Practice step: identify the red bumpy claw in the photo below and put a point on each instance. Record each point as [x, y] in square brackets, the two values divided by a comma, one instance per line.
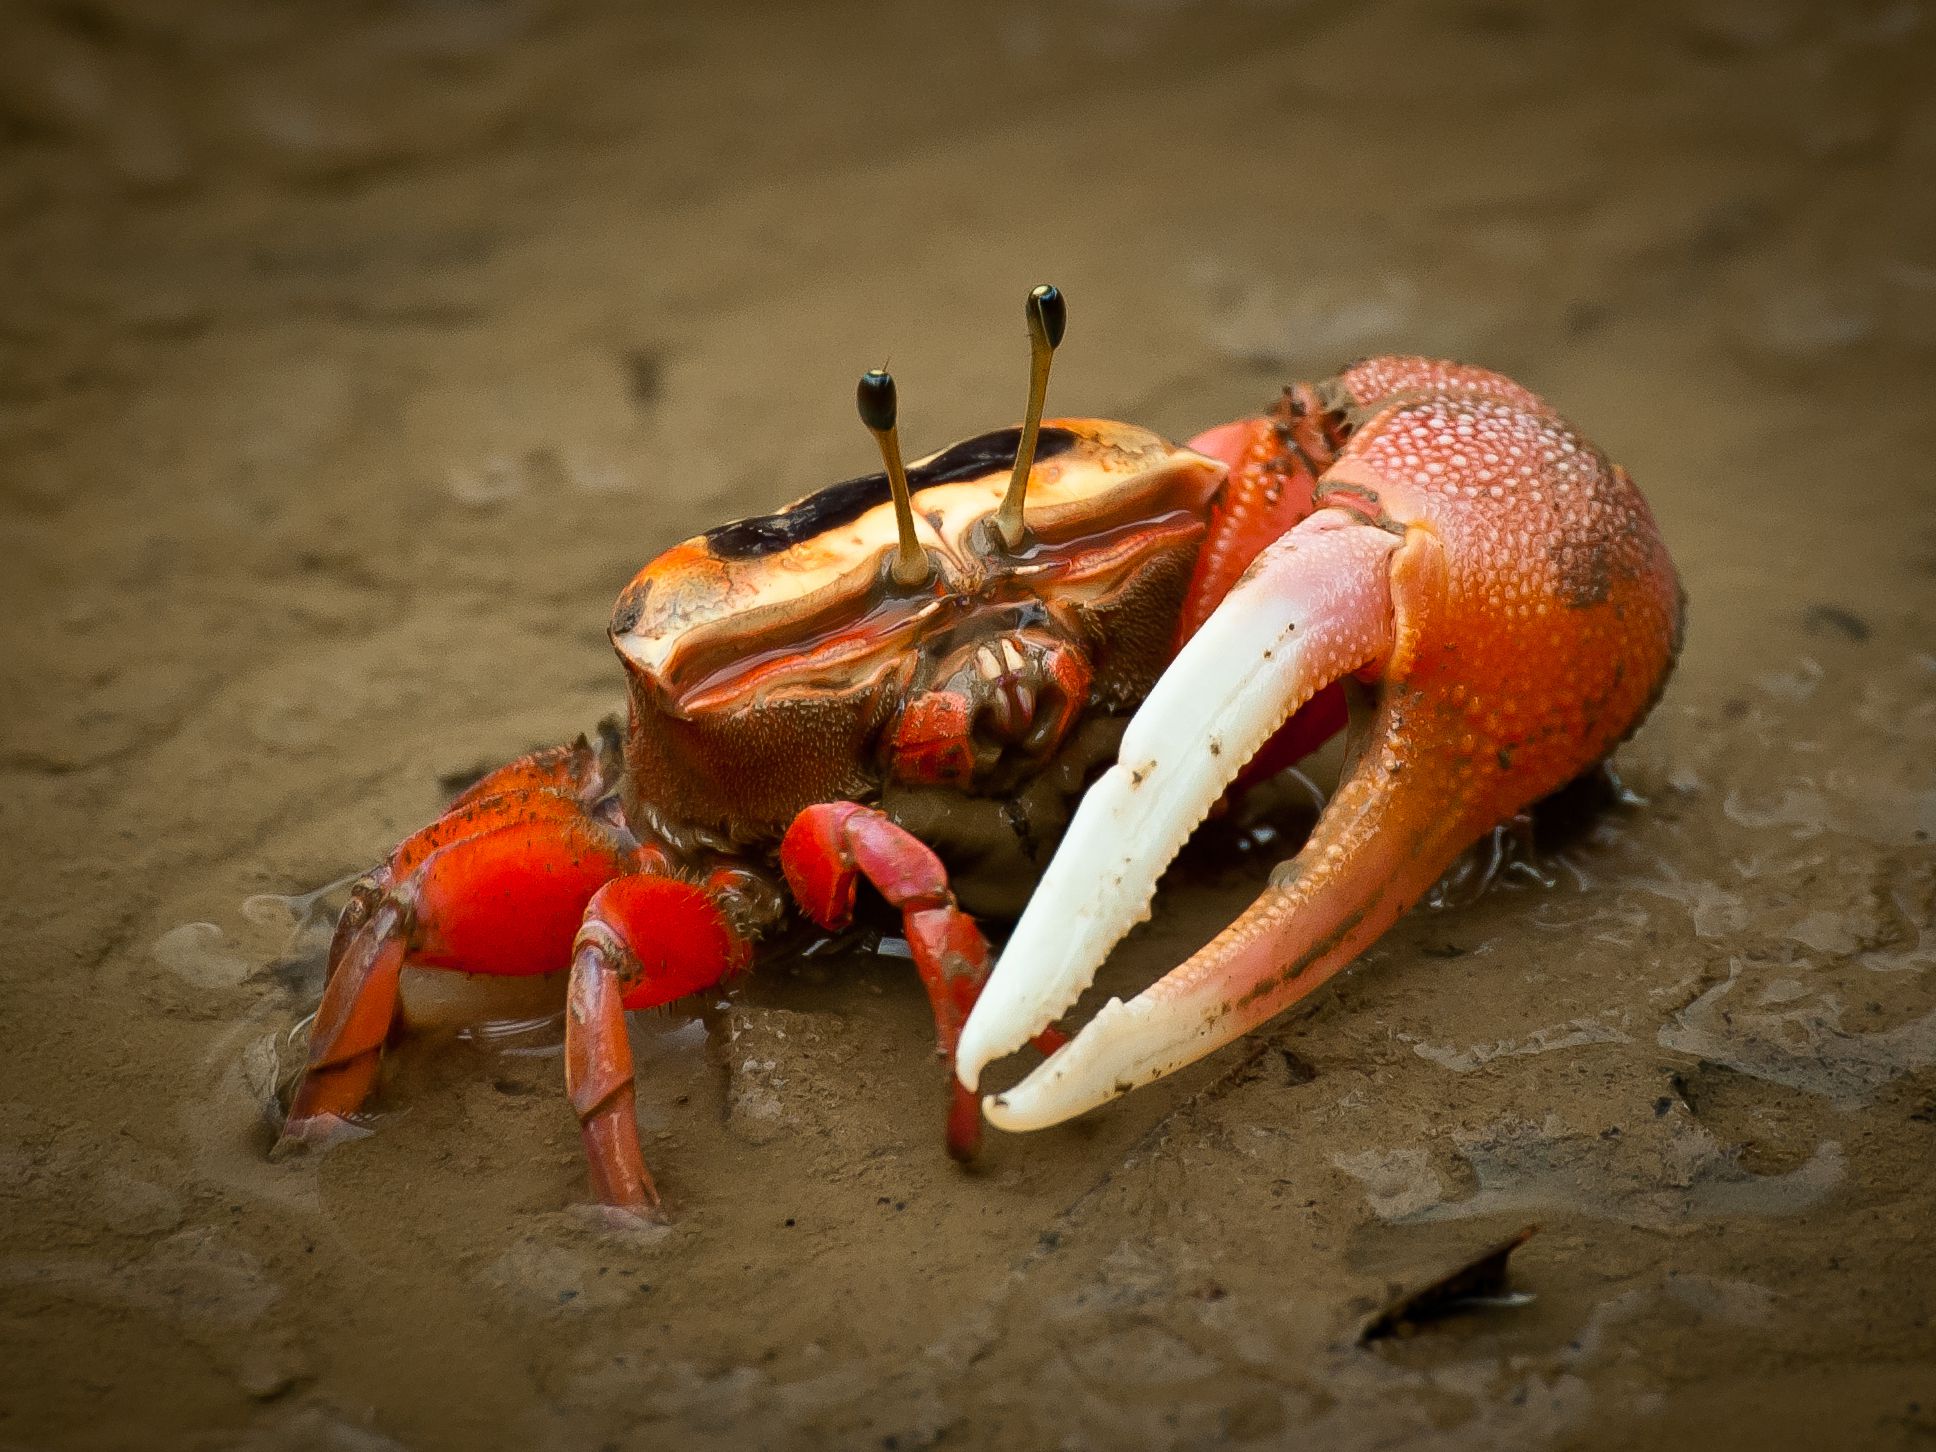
[1501, 589]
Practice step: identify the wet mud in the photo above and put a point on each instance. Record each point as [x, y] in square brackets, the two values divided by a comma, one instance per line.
[350, 363]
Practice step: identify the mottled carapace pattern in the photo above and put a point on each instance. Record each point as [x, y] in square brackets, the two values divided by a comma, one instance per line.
[763, 684]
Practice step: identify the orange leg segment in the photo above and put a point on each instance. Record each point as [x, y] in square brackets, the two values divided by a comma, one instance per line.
[346, 1040]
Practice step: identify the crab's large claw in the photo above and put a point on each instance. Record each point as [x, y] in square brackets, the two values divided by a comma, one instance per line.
[1502, 591]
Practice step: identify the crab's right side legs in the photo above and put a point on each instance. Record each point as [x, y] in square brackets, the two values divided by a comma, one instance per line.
[496, 885]
[525, 874]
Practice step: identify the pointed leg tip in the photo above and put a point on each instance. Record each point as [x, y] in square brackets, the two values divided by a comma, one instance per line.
[627, 1201]
[964, 1126]
[640, 1215]
[313, 1132]
[640, 1224]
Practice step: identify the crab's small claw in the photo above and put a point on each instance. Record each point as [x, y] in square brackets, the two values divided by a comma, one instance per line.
[1502, 591]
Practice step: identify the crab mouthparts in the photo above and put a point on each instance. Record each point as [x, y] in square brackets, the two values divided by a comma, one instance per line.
[1315, 607]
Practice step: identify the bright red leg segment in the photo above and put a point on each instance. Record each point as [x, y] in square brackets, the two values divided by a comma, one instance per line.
[586, 769]
[496, 885]
[828, 849]
[645, 941]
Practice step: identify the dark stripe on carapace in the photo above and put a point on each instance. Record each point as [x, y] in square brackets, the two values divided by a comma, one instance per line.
[847, 501]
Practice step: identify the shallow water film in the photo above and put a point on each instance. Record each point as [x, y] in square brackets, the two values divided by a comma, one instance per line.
[353, 358]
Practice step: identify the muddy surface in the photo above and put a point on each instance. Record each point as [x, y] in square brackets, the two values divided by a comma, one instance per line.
[351, 361]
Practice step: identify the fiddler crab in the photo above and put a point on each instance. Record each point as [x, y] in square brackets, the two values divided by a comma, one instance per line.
[1072, 630]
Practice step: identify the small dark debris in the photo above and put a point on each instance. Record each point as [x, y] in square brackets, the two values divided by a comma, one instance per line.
[1479, 1283]
[1049, 1240]
[1834, 620]
[272, 1387]
[1297, 1068]
[1500, 20]
[1662, 1105]
[789, 1222]
[463, 778]
[564, 1296]
[644, 375]
[1585, 318]
[512, 1086]
[1442, 950]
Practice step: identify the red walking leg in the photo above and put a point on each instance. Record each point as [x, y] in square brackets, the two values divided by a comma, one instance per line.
[645, 941]
[827, 850]
[346, 1039]
[496, 885]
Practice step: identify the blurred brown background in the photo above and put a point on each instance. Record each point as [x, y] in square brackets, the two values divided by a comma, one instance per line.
[352, 357]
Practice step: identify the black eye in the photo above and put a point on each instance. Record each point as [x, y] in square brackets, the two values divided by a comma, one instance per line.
[876, 399]
[1050, 312]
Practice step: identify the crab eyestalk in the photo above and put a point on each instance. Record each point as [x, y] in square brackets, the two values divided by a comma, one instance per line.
[1047, 318]
[878, 410]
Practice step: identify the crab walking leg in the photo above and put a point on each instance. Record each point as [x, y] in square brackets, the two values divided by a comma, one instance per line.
[1312, 609]
[497, 885]
[346, 1040]
[645, 941]
[827, 850]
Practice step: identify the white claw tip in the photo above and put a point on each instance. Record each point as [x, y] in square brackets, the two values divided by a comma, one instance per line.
[974, 1051]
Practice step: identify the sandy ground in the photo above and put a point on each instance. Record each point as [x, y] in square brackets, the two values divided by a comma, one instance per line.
[351, 358]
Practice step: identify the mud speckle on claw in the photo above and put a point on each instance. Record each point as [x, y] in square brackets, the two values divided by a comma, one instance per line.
[314, 343]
